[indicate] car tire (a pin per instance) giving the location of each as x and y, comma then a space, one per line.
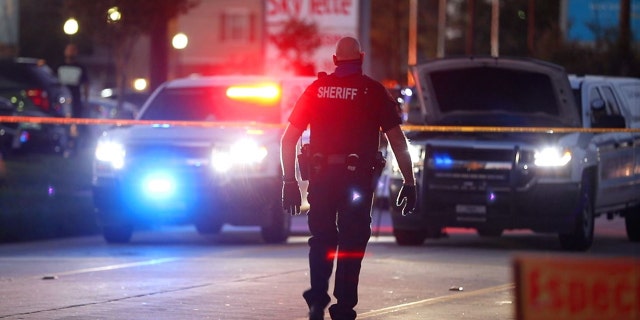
117, 234
409, 237
279, 228
489, 232
581, 237
632, 224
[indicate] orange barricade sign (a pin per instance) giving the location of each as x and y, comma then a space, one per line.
561, 287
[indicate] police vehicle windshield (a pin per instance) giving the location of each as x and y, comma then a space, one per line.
209, 104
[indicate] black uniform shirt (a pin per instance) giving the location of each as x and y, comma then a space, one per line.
345, 114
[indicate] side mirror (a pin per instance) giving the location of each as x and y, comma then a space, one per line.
597, 105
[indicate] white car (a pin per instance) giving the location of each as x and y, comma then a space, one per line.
206, 152
511, 172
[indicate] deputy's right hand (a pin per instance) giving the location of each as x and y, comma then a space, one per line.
291, 198
407, 198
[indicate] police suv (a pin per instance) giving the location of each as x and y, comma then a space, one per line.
205, 151
522, 146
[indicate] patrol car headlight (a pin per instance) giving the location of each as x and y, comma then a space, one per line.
111, 152
243, 153
552, 157
415, 152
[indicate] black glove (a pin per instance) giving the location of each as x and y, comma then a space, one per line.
407, 199
291, 198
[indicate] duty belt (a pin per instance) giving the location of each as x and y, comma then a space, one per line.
336, 158
314, 164
352, 161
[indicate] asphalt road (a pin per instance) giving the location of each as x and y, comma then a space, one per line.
174, 273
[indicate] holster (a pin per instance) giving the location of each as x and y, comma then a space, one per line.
304, 162
379, 163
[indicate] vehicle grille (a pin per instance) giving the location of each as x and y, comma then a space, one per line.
474, 169
185, 159
167, 152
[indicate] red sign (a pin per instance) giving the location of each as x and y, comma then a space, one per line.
560, 287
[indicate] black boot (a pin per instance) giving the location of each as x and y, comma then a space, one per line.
316, 304
341, 313
316, 313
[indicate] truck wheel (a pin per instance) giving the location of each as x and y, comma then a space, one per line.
489, 232
581, 237
279, 229
632, 223
117, 234
409, 237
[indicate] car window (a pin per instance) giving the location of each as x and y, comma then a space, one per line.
610, 100
12, 75
632, 93
21, 74
484, 89
207, 104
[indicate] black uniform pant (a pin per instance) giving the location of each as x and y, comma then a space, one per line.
340, 224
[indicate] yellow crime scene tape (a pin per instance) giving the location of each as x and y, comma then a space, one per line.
129, 122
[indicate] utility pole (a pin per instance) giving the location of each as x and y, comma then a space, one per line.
625, 36
442, 25
471, 26
531, 27
159, 50
413, 38
495, 27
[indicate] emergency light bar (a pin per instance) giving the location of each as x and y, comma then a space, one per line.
268, 92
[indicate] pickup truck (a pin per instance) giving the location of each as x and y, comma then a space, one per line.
519, 144
204, 151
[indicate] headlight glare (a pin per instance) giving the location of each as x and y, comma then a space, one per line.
111, 152
243, 152
552, 157
415, 152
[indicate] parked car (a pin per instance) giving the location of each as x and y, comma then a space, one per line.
503, 178
32, 89
171, 172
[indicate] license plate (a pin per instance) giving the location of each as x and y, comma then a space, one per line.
471, 209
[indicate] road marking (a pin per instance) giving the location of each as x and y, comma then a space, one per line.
117, 266
455, 296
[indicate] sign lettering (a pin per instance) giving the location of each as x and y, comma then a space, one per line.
285, 7
337, 7
572, 288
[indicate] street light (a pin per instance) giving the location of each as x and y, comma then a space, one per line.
71, 26
179, 42
113, 15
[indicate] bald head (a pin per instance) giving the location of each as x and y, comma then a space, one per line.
348, 48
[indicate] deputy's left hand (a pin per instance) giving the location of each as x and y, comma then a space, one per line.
291, 197
407, 198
